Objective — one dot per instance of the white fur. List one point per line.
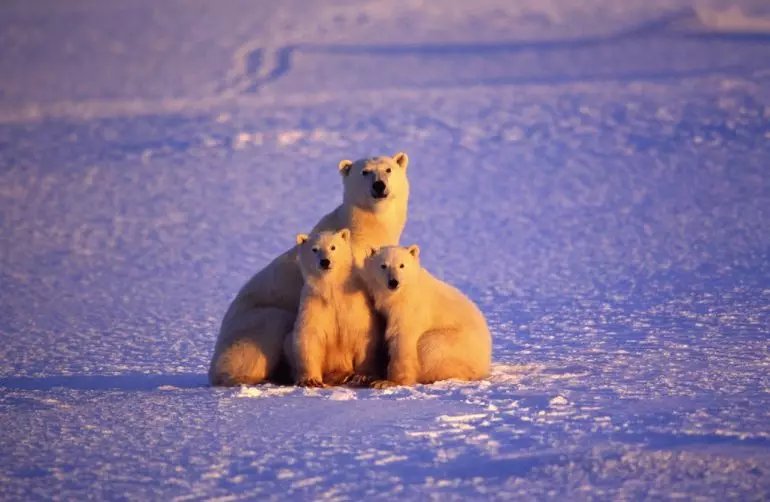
(434, 332)
(249, 346)
(337, 335)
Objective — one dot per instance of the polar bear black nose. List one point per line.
(378, 187)
(393, 283)
(325, 263)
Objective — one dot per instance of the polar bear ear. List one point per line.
(344, 167)
(414, 250)
(301, 238)
(401, 159)
(345, 234)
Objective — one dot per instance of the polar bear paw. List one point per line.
(310, 382)
(360, 381)
(382, 384)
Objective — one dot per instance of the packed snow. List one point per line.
(593, 174)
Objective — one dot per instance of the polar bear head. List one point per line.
(375, 182)
(391, 269)
(325, 255)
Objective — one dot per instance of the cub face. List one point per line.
(391, 269)
(370, 183)
(325, 254)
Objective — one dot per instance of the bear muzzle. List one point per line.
(393, 284)
(325, 264)
(379, 189)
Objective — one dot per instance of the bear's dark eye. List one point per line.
(332, 248)
(387, 170)
(383, 266)
(315, 250)
(401, 266)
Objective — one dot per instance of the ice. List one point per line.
(558, 401)
(461, 418)
(593, 174)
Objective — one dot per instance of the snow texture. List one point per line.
(593, 173)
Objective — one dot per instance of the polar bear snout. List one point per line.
(379, 189)
(325, 263)
(393, 283)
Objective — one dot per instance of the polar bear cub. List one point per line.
(434, 332)
(337, 336)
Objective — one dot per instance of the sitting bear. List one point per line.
(433, 332)
(249, 347)
(338, 336)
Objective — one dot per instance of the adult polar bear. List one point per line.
(249, 347)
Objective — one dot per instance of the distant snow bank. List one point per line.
(732, 19)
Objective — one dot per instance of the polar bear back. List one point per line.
(446, 306)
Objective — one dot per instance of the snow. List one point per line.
(592, 173)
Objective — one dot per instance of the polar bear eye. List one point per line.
(401, 266)
(383, 266)
(387, 170)
(333, 248)
(315, 250)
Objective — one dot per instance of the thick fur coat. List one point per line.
(338, 336)
(434, 332)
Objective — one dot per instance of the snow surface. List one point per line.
(594, 174)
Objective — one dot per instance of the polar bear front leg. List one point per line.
(369, 357)
(309, 358)
(404, 366)
(309, 350)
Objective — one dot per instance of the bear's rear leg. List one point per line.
(451, 353)
(252, 349)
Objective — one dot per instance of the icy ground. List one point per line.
(595, 174)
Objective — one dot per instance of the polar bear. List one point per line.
(338, 336)
(249, 347)
(434, 332)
